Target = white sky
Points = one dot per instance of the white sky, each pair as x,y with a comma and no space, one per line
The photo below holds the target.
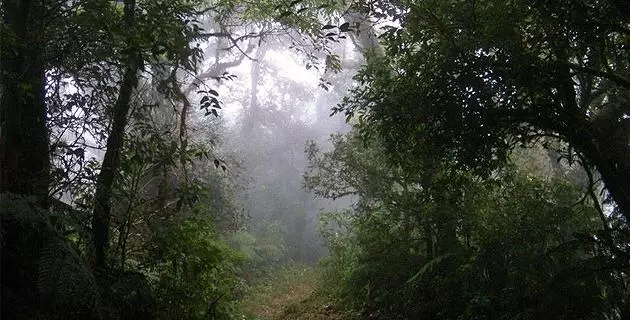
290,67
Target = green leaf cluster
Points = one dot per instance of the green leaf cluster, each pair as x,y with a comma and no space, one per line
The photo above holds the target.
448,244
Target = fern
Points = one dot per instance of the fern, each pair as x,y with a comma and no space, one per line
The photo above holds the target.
64,285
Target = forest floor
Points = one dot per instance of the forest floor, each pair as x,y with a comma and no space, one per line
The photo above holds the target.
290,294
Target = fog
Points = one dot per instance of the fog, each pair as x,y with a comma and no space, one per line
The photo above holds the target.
271,108
275,90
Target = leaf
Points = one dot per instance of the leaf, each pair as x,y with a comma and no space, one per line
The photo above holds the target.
429,267
285,14
216,163
204,99
344,27
328,26
213,92
215,113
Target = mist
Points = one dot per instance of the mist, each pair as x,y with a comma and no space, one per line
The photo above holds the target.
314,159
271,110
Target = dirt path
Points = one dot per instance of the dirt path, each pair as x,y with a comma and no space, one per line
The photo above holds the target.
295,291
289,295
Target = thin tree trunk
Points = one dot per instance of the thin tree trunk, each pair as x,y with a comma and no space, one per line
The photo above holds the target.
125,228
24,158
428,237
253,114
111,161
183,123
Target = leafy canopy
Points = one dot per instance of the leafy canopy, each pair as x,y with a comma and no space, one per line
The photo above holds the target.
470,80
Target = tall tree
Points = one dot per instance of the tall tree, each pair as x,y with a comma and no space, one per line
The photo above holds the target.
473,79
111,161
24,160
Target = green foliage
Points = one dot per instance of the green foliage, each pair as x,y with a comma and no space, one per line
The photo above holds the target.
450,245
444,227
520,260
263,248
527,263
196,274
119,75
470,80
54,282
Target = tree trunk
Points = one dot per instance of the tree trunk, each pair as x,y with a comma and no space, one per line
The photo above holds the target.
615,173
111,161
253,113
603,140
364,35
24,158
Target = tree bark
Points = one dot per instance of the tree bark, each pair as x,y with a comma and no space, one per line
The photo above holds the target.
603,140
614,172
253,113
24,159
111,161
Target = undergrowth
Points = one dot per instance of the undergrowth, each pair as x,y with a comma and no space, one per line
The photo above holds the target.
293,292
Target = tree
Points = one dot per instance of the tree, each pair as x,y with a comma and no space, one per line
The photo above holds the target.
81,79
111,161
471,80
178,21
23,153
456,246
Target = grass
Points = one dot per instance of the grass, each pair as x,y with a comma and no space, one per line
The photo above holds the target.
315,307
289,294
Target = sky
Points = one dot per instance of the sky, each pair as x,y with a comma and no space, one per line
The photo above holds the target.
290,67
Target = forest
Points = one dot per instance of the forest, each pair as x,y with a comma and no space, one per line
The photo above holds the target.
315,159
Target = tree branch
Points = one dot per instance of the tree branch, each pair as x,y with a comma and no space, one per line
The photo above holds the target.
598,73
